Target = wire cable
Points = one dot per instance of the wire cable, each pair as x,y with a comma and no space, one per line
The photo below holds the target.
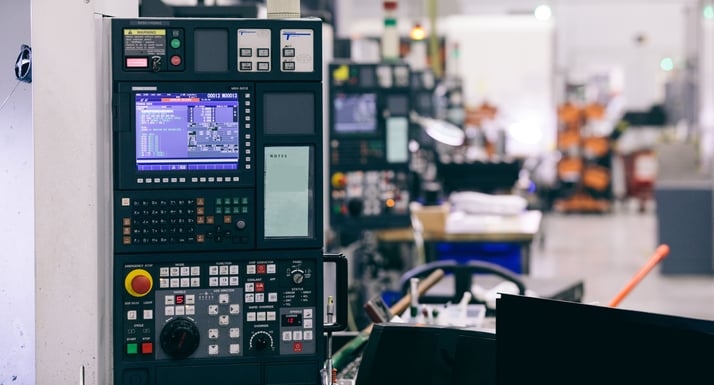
2,106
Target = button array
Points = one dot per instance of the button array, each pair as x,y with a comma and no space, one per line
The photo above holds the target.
132,348
247,57
223,276
177,221
223,320
300,335
234,205
178,305
289,65
177,180
179,277
160,221
261,268
260,316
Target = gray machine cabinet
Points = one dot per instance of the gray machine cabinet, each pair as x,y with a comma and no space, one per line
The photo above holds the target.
684,222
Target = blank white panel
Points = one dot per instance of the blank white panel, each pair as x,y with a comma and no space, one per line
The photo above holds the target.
508,62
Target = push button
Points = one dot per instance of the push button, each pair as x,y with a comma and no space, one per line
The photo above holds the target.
138,282
131,349
147,348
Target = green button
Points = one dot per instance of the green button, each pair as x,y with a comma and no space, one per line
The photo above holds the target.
132,349
219,210
175,43
219,201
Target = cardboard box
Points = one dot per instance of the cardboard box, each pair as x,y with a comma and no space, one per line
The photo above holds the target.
432,219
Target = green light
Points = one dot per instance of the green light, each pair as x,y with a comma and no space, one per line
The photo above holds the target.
175,43
667,64
708,12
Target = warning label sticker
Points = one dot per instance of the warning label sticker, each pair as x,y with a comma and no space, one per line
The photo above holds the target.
144,42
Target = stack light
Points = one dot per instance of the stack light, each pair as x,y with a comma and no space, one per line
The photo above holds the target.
390,38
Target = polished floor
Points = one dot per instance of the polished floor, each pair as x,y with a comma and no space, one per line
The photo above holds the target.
607,250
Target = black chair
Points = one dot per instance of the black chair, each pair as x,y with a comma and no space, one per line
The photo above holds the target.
463,278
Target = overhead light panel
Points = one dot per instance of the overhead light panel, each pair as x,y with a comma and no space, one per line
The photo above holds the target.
543,12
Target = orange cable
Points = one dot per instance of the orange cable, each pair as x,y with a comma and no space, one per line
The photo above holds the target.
659,254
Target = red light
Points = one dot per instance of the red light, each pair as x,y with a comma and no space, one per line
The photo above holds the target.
390,5
291,320
175,60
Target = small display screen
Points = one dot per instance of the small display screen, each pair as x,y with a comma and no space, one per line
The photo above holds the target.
355,113
398,105
289,188
291,320
187,132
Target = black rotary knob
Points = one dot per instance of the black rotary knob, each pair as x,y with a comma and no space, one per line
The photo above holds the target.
261,341
180,338
355,207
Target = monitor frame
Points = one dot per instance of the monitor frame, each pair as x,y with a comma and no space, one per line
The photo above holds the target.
126,136
374,130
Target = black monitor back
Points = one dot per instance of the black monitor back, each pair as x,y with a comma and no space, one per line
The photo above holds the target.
544,341
428,355
485,177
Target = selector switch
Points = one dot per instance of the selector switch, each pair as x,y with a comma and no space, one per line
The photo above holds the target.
298,276
138,282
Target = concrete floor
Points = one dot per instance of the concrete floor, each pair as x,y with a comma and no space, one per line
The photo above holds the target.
606,250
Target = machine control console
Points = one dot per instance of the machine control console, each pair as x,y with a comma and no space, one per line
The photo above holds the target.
369,146
217,230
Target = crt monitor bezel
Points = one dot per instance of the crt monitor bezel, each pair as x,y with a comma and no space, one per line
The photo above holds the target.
125,131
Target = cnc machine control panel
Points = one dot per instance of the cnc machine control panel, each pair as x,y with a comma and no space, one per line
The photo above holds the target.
368,146
217,189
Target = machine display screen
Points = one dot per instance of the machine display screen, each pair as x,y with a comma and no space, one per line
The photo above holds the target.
355,113
187,132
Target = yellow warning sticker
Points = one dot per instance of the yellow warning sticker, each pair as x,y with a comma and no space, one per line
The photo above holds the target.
144,32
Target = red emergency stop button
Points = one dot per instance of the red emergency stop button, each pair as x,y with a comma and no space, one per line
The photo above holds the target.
338,180
138,282
176,60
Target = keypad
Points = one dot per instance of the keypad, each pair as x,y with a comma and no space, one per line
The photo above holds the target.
221,220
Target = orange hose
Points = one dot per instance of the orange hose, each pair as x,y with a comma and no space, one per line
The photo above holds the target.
658,255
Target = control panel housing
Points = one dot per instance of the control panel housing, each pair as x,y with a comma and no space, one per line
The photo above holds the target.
370,107
217,190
